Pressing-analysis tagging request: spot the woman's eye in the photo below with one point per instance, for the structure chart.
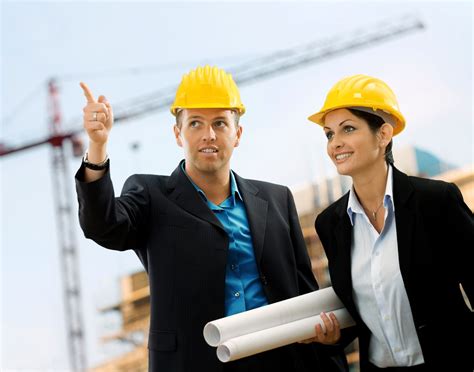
(329, 135)
(349, 128)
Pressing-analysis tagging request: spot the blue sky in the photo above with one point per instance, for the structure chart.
(100, 43)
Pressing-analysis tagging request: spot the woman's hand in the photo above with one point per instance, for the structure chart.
(330, 334)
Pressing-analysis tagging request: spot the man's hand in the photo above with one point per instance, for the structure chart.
(98, 120)
(98, 117)
(330, 335)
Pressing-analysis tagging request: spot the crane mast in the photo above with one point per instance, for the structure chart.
(67, 241)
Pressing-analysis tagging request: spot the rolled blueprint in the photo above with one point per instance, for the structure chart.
(271, 338)
(269, 316)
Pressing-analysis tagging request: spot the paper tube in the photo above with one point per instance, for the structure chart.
(271, 338)
(282, 312)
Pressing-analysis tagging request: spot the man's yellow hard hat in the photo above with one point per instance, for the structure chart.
(362, 91)
(207, 87)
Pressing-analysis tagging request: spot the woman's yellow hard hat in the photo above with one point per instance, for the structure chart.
(364, 92)
(207, 87)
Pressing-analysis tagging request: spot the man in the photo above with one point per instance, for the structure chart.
(213, 243)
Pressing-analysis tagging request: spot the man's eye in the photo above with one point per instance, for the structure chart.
(220, 123)
(194, 124)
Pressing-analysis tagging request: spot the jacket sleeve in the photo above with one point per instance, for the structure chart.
(114, 223)
(306, 280)
(461, 233)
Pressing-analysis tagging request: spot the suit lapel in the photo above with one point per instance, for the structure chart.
(185, 195)
(257, 209)
(405, 219)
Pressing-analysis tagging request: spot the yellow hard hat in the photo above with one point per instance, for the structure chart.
(207, 87)
(365, 92)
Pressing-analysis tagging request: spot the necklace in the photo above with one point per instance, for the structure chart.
(374, 213)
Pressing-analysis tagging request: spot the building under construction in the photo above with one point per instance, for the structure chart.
(310, 200)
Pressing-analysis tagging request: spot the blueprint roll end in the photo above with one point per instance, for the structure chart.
(223, 353)
(212, 334)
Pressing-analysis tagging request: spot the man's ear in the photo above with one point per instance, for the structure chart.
(239, 134)
(177, 135)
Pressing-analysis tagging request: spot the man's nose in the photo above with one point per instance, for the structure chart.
(209, 134)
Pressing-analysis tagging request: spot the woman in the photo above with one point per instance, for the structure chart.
(398, 247)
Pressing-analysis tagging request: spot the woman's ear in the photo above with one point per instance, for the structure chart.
(385, 134)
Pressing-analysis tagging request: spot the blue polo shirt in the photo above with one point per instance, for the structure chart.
(243, 288)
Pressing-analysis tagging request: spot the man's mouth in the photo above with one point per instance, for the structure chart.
(208, 150)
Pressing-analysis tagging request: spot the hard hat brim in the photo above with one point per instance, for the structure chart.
(318, 117)
(174, 109)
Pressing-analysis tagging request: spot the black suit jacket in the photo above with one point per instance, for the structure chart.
(183, 248)
(435, 234)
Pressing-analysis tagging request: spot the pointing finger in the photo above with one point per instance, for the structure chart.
(87, 92)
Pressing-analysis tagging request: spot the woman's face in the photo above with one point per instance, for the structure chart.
(352, 145)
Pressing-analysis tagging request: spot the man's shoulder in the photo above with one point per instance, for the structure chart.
(147, 177)
(266, 185)
(266, 189)
(148, 180)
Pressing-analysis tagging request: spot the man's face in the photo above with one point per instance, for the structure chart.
(208, 137)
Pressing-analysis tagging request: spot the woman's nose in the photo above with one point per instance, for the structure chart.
(336, 142)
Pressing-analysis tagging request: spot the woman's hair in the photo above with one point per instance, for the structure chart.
(375, 122)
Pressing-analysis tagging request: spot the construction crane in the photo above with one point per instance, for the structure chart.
(254, 70)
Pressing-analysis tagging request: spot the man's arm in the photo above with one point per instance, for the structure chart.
(114, 223)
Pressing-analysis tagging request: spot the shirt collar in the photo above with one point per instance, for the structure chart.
(234, 189)
(354, 206)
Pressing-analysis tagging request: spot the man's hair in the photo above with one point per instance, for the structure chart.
(375, 122)
(179, 114)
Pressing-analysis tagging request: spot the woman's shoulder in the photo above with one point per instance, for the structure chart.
(430, 187)
(337, 208)
(426, 187)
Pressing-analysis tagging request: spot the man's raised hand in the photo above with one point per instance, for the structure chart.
(98, 117)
